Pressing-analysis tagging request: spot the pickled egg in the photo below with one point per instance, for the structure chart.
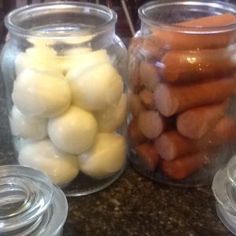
(40, 58)
(74, 131)
(112, 118)
(98, 88)
(27, 127)
(62, 168)
(41, 94)
(84, 62)
(105, 157)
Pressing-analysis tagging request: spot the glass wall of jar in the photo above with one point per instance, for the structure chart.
(64, 69)
(182, 87)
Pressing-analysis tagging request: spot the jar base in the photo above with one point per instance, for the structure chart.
(84, 185)
(201, 178)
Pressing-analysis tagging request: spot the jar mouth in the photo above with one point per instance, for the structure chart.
(29, 202)
(162, 14)
(60, 19)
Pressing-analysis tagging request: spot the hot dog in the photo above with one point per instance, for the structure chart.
(135, 135)
(149, 75)
(148, 155)
(185, 66)
(135, 104)
(170, 99)
(196, 122)
(224, 132)
(172, 145)
(147, 98)
(144, 47)
(183, 167)
(151, 124)
(173, 39)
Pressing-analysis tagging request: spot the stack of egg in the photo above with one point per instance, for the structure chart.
(181, 88)
(67, 107)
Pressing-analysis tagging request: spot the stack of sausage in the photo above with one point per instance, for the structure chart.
(181, 88)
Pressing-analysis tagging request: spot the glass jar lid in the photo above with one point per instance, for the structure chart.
(30, 204)
(224, 190)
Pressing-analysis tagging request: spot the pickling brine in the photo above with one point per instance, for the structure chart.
(182, 85)
(64, 70)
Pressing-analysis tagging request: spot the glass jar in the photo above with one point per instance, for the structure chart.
(182, 84)
(64, 69)
(30, 203)
(223, 187)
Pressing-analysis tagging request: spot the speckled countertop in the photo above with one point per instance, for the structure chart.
(133, 205)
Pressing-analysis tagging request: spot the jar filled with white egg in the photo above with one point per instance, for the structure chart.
(64, 70)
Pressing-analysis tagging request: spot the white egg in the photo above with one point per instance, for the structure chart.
(62, 168)
(98, 88)
(84, 62)
(27, 127)
(70, 57)
(40, 58)
(41, 94)
(113, 117)
(74, 131)
(105, 157)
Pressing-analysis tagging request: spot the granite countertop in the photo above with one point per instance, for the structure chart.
(136, 206)
(133, 205)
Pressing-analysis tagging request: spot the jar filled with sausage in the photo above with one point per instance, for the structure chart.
(64, 69)
(182, 88)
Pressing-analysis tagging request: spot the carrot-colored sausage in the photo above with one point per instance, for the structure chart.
(151, 124)
(197, 65)
(170, 99)
(135, 104)
(171, 145)
(224, 132)
(149, 75)
(144, 47)
(147, 98)
(196, 122)
(135, 135)
(210, 21)
(198, 40)
(149, 49)
(183, 167)
(148, 155)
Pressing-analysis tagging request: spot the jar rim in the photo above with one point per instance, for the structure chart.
(13, 27)
(229, 8)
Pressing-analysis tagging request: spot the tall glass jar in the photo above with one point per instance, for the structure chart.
(64, 69)
(182, 87)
